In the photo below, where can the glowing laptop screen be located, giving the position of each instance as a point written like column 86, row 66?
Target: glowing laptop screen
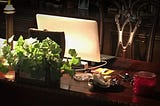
column 80, row 34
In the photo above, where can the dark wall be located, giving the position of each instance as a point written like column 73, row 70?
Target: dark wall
column 101, row 10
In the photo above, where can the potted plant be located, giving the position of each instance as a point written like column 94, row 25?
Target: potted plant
column 39, row 62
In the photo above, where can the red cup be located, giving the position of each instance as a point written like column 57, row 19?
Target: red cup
column 144, row 83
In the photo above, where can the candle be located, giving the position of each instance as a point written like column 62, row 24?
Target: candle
column 144, row 83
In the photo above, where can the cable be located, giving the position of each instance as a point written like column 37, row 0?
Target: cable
column 91, row 68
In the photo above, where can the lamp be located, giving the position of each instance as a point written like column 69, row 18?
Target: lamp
column 9, row 10
column 80, row 34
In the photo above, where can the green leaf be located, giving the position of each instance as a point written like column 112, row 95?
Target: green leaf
column 75, row 61
column 20, row 41
column 72, row 52
column 68, row 69
column 4, row 69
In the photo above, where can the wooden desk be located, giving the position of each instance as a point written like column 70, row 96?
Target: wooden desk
column 78, row 93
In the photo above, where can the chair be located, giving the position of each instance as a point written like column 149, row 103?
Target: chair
column 148, row 27
column 140, row 37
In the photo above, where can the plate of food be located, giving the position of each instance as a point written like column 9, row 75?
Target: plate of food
column 104, row 78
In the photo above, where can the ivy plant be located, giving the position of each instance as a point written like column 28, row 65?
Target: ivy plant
column 35, row 56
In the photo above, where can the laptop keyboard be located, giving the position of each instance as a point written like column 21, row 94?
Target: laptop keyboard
column 105, row 57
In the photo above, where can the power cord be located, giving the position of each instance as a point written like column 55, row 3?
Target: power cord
column 92, row 68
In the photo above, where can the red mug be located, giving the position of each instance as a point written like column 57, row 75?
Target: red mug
column 144, row 83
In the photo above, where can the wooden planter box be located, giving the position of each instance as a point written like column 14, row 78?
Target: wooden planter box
column 47, row 79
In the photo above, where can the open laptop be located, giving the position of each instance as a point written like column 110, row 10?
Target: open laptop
column 80, row 34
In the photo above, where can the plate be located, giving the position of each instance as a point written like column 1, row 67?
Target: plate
column 82, row 76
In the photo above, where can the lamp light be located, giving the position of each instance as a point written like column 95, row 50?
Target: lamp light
column 80, row 34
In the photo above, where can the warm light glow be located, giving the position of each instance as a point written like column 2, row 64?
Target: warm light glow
column 2, row 43
column 80, row 34
column 10, row 75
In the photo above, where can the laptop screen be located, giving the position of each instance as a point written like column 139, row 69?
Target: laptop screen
column 80, row 34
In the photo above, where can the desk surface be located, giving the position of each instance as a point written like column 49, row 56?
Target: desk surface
column 125, row 96
column 79, row 91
